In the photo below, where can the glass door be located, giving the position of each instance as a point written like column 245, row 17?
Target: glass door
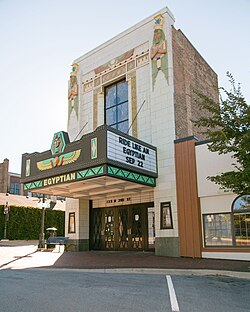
column 138, row 227
column 151, row 228
column 123, row 230
column 96, row 241
column 109, row 231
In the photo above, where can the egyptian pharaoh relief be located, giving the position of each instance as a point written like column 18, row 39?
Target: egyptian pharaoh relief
column 158, row 53
column 73, row 92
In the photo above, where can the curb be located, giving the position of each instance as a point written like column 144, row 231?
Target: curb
column 234, row 274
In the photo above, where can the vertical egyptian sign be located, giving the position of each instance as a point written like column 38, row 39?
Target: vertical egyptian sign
column 73, row 101
column 27, row 168
column 94, row 148
column 158, row 53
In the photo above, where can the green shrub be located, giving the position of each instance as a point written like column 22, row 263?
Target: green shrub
column 25, row 223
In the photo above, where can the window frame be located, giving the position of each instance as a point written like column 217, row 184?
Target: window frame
column 238, row 212
column 166, row 205
column 232, row 214
column 204, row 232
column 115, row 83
column 69, row 224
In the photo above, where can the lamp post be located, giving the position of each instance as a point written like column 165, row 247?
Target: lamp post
column 48, row 206
column 41, row 238
column 6, row 219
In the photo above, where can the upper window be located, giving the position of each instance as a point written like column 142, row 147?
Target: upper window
column 116, row 106
column 15, row 188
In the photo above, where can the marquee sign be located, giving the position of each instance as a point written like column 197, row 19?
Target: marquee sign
column 130, row 152
column 117, row 154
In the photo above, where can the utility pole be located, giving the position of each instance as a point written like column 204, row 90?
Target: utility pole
column 41, row 238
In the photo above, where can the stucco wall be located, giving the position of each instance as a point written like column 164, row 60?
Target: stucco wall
column 210, row 164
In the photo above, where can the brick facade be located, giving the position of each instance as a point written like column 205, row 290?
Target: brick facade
column 191, row 74
column 4, row 177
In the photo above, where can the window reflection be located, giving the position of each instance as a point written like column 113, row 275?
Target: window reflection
column 122, row 110
column 110, row 115
column 229, row 229
column 116, row 106
column 241, row 212
column 242, row 229
column 123, row 126
column 122, row 92
column 110, row 96
column 242, row 203
column 217, row 230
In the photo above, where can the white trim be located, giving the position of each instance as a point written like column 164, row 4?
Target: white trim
column 244, row 256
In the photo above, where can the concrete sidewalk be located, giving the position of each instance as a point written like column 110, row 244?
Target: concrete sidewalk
column 24, row 255
column 11, row 251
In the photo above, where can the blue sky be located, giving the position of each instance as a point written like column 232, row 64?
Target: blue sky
column 40, row 39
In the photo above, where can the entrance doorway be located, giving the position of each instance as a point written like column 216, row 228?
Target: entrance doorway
column 120, row 228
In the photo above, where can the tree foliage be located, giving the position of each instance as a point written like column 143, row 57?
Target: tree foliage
column 228, row 129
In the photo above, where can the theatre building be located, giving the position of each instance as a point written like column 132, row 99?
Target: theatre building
column 128, row 161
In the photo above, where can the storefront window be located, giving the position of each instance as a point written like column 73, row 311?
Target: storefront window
column 116, row 106
column 229, row 229
column 241, row 211
column 217, row 230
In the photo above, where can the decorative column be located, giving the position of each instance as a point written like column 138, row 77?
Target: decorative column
column 131, row 78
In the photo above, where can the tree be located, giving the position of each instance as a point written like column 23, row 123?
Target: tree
column 228, row 129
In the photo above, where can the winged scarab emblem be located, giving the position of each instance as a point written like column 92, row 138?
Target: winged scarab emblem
column 58, row 161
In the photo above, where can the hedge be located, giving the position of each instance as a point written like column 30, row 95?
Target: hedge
column 25, row 222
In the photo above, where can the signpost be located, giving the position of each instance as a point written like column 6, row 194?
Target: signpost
column 6, row 219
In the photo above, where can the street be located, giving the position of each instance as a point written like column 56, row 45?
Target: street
column 59, row 281
column 74, row 290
